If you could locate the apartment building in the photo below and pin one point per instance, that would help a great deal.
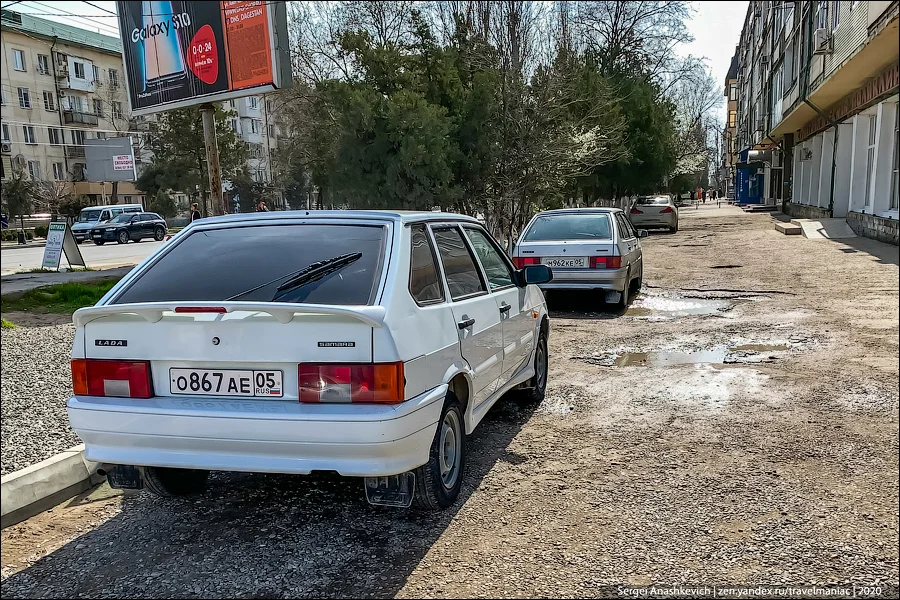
(818, 111)
(255, 121)
(729, 158)
(61, 85)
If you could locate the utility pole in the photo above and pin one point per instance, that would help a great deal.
(208, 113)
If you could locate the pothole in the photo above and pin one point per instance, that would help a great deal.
(718, 355)
(659, 307)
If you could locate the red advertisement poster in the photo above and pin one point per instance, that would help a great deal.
(247, 34)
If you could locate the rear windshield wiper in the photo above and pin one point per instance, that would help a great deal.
(313, 269)
(316, 271)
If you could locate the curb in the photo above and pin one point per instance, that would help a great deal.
(29, 491)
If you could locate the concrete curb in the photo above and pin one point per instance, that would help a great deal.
(29, 491)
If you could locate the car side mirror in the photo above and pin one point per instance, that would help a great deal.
(536, 274)
(642, 233)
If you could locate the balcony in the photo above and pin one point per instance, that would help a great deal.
(75, 116)
(74, 151)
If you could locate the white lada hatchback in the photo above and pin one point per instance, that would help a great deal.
(367, 343)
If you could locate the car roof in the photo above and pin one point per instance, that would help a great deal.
(400, 216)
(141, 206)
(575, 211)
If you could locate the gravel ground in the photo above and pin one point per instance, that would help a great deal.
(36, 380)
(773, 466)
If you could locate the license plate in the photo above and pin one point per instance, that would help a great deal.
(97, 234)
(226, 382)
(566, 263)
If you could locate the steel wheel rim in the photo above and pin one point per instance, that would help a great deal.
(450, 450)
(541, 366)
(123, 237)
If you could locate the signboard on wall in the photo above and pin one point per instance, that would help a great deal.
(182, 53)
(109, 160)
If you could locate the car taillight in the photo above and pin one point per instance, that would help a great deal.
(201, 309)
(636, 211)
(606, 262)
(117, 378)
(524, 261)
(377, 383)
(667, 209)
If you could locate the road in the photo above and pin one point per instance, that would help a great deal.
(15, 260)
(737, 425)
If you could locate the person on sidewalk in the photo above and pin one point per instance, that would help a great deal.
(261, 207)
(195, 212)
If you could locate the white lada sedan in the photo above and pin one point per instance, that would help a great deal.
(367, 343)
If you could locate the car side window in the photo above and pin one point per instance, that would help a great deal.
(498, 272)
(424, 281)
(462, 275)
(104, 216)
(624, 230)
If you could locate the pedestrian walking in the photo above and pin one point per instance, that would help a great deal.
(261, 207)
(195, 212)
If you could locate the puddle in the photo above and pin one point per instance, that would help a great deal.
(670, 308)
(720, 355)
(762, 347)
(667, 358)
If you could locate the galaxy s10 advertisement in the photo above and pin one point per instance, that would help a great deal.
(179, 51)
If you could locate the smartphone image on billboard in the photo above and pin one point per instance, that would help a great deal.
(163, 57)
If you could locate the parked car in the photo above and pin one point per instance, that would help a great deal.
(654, 212)
(587, 248)
(92, 216)
(367, 343)
(130, 226)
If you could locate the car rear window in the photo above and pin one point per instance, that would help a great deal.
(250, 263)
(584, 226)
(652, 200)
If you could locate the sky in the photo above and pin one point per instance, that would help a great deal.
(715, 26)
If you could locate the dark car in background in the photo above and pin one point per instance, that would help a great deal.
(130, 226)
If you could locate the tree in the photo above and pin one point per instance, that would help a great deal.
(71, 205)
(176, 140)
(54, 193)
(19, 192)
(163, 204)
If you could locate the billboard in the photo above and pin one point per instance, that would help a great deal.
(180, 52)
(109, 160)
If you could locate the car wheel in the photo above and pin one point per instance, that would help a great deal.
(159, 233)
(169, 483)
(99, 242)
(625, 296)
(439, 480)
(122, 237)
(674, 229)
(636, 286)
(537, 387)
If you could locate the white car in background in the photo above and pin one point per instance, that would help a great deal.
(587, 248)
(367, 343)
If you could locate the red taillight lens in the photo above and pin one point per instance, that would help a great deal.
(636, 211)
(378, 383)
(606, 262)
(667, 209)
(117, 378)
(524, 261)
(200, 309)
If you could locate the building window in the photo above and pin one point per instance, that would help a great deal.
(18, 60)
(59, 173)
(98, 107)
(732, 118)
(271, 131)
(733, 91)
(79, 70)
(56, 136)
(835, 14)
(870, 158)
(49, 101)
(30, 137)
(234, 125)
(270, 106)
(24, 98)
(4, 132)
(253, 102)
(895, 175)
(96, 74)
(113, 78)
(255, 126)
(43, 64)
(822, 15)
(77, 137)
(34, 170)
(101, 135)
(116, 110)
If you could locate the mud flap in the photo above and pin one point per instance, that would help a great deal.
(393, 490)
(613, 297)
(123, 477)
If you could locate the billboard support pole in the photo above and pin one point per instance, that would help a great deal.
(208, 113)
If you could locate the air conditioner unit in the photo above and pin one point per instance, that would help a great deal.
(764, 59)
(822, 41)
(19, 161)
(6, 147)
(805, 154)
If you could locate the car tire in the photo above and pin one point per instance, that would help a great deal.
(159, 234)
(537, 386)
(437, 482)
(166, 482)
(99, 242)
(122, 237)
(674, 229)
(625, 295)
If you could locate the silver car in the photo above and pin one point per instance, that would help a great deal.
(654, 212)
(587, 248)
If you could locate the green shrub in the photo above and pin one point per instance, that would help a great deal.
(40, 231)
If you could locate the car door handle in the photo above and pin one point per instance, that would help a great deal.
(504, 308)
(466, 323)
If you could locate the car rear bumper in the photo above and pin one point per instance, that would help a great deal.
(653, 221)
(361, 440)
(584, 279)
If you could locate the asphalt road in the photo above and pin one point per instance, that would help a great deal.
(15, 260)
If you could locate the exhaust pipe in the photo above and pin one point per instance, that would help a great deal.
(103, 469)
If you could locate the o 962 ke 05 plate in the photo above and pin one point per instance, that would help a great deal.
(226, 382)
